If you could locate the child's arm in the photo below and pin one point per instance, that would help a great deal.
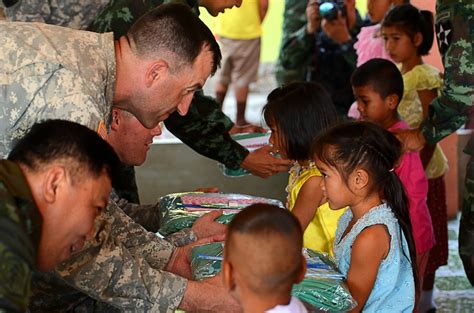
(308, 200)
(426, 96)
(369, 249)
(262, 9)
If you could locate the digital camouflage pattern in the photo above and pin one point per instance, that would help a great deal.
(205, 127)
(455, 32)
(122, 266)
(20, 227)
(49, 72)
(77, 14)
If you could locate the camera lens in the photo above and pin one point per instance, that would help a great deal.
(326, 8)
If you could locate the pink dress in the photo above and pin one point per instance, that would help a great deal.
(411, 173)
(369, 46)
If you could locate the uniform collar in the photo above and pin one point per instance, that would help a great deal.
(26, 213)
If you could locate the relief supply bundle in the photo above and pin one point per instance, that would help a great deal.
(181, 210)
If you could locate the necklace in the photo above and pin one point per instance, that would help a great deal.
(294, 174)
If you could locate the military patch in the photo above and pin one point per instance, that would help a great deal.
(444, 34)
(102, 130)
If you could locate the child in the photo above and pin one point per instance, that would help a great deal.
(370, 43)
(263, 259)
(374, 245)
(378, 88)
(296, 114)
(408, 35)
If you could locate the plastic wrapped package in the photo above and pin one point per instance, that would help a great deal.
(323, 287)
(180, 210)
(206, 260)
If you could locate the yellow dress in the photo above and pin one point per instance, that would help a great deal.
(422, 77)
(319, 235)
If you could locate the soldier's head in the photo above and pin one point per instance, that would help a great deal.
(129, 138)
(263, 252)
(69, 170)
(165, 57)
(216, 7)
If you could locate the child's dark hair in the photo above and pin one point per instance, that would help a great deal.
(300, 111)
(410, 20)
(366, 145)
(279, 237)
(382, 75)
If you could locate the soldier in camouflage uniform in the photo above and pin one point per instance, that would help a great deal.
(323, 53)
(47, 208)
(451, 110)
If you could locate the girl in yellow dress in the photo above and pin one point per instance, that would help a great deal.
(297, 114)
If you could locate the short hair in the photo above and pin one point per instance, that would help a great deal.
(174, 29)
(273, 247)
(411, 20)
(300, 110)
(382, 75)
(81, 150)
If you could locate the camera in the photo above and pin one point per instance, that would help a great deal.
(328, 9)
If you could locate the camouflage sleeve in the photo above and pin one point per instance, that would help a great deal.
(15, 270)
(292, 62)
(75, 14)
(122, 266)
(148, 217)
(455, 31)
(205, 129)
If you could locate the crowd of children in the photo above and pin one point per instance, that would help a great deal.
(352, 192)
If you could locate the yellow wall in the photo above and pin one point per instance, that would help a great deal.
(272, 27)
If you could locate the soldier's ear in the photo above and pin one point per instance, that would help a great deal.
(115, 119)
(156, 71)
(54, 176)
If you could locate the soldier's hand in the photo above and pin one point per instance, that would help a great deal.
(261, 163)
(411, 139)
(337, 29)
(206, 225)
(312, 15)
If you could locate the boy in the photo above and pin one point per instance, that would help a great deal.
(378, 89)
(263, 259)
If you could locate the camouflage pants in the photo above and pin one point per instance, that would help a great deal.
(466, 226)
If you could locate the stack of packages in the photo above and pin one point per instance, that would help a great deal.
(323, 287)
(181, 210)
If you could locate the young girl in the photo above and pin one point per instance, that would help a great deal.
(296, 114)
(374, 246)
(408, 35)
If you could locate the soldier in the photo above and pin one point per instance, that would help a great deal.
(55, 182)
(452, 110)
(317, 47)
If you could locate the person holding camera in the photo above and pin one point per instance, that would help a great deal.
(317, 45)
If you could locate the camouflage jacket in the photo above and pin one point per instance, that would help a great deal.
(455, 34)
(20, 227)
(121, 267)
(48, 72)
(205, 127)
(316, 57)
(77, 14)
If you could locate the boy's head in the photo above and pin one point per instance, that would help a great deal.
(378, 88)
(263, 252)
